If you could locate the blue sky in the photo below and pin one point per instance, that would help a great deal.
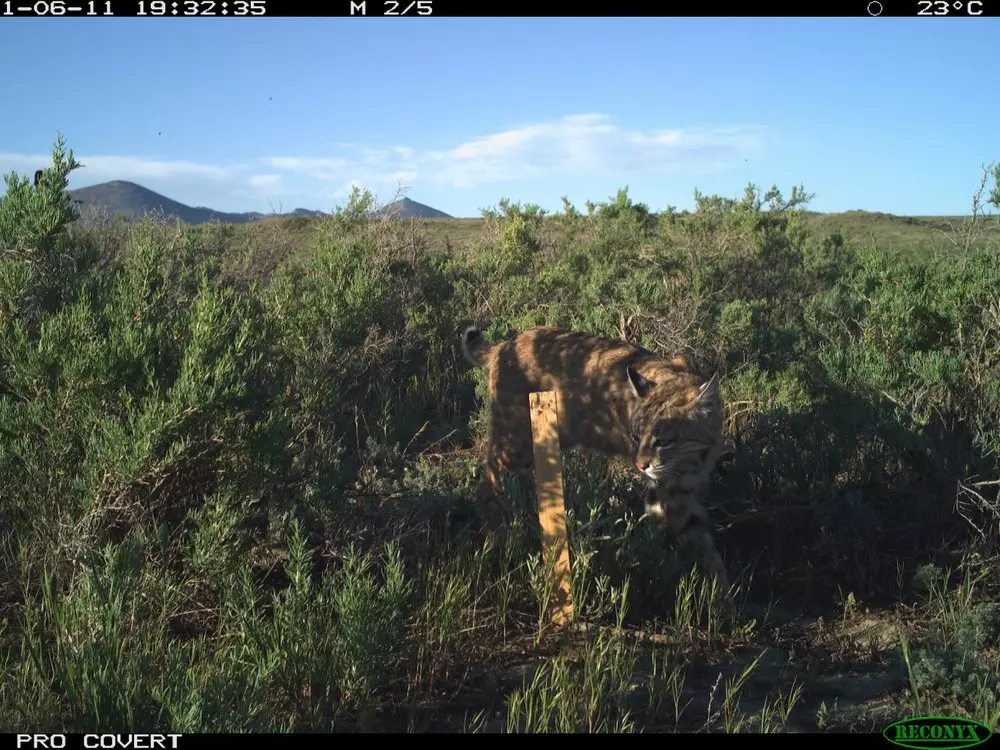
(893, 115)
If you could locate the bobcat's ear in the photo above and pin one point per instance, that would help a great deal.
(708, 396)
(640, 385)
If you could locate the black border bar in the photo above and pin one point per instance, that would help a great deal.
(939, 9)
(118, 740)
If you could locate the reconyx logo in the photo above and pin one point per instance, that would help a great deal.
(938, 732)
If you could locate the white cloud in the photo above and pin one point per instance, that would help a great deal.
(139, 168)
(574, 146)
(102, 168)
(567, 148)
(325, 169)
(264, 181)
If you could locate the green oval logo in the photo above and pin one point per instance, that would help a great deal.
(938, 732)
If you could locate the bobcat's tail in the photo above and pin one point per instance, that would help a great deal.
(474, 346)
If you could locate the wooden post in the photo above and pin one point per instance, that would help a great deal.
(551, 506)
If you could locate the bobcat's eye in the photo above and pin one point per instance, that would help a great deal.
(658, 443)
(635, 437)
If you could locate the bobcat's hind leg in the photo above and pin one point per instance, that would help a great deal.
(508, 450)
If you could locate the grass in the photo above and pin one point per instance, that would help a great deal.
(237, 467)
(920, 237)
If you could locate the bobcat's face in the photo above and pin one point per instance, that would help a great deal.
(675, 433)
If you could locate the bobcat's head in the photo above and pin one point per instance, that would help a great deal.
(676, 429)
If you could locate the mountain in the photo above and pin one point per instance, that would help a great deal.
(407, 209)
(134, 201)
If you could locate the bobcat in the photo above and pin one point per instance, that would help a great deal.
(613, 398)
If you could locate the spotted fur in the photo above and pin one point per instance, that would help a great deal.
(613, 398)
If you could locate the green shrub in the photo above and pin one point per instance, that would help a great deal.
(236, 472)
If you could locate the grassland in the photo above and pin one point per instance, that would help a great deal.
(919, 237)
(237, 463)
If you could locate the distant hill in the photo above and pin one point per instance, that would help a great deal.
(915, 235)
(134, 202)
(407, 209)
